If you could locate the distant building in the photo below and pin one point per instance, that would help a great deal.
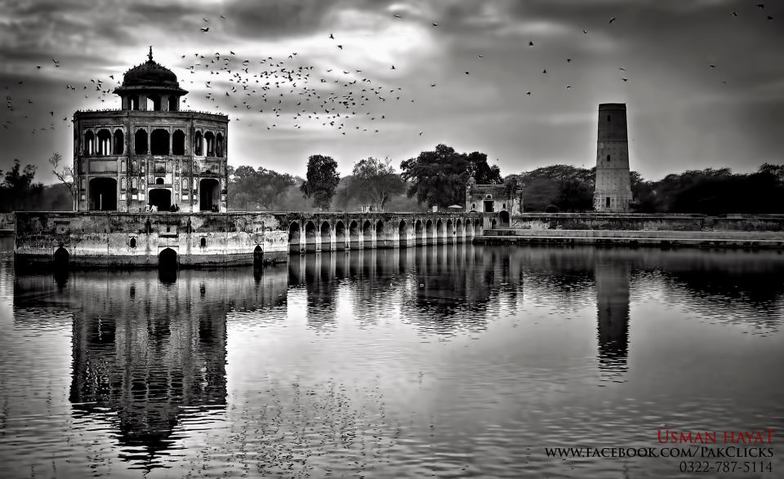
(613, 191)
(494, 198)
(150, 154)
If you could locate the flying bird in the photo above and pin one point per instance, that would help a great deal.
(435, 24)
(397, 15)
(530, 44)
(340, 46)
(205, 29)
(331, 37)
(611, 20)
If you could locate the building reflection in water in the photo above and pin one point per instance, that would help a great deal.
(149, 355)
(441, 289)
(613, 277)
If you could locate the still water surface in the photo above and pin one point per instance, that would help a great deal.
(449, 361)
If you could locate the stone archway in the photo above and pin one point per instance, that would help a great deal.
(310, 236)
(340, 236)
(294, 240)
(503, 219)
(103, 194)
(209, 195)
(419, 233)
(167, 266)
(381, 241)
(353, 235)
(61, 258)
(160, 198)
(326, 237)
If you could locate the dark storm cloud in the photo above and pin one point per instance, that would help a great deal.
(683, 112)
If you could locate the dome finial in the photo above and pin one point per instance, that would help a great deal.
(149, 55)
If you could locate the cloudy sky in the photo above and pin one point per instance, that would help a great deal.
(703, 80)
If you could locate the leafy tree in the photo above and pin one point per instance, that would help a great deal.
(65, 175)
(264, 189)
(374, 182)
(439, 177)
(322, 179)
(558, 187)
(18, 190)
(481, 171)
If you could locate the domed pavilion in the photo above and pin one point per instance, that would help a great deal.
(150, 155)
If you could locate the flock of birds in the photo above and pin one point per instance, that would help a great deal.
(280, 89)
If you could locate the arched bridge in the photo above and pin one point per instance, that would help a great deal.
(145, 239)
(309, 232)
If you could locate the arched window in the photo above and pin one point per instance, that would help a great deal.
(219, 145)
(104, 142)
(134, 102)
(159, 142)
(178, 143)
(173, 106)
(132, 243)
(119, 142)
(198, 146)
(140, 142)
(209, 139)
(158, 181)
(89, 143)
(608, 157)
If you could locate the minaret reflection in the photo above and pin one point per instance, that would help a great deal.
(613, 276)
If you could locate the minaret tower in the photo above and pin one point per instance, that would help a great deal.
(613, 191)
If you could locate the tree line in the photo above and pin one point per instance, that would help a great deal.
(439, 178)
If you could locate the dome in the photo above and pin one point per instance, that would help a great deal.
(150, 75)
